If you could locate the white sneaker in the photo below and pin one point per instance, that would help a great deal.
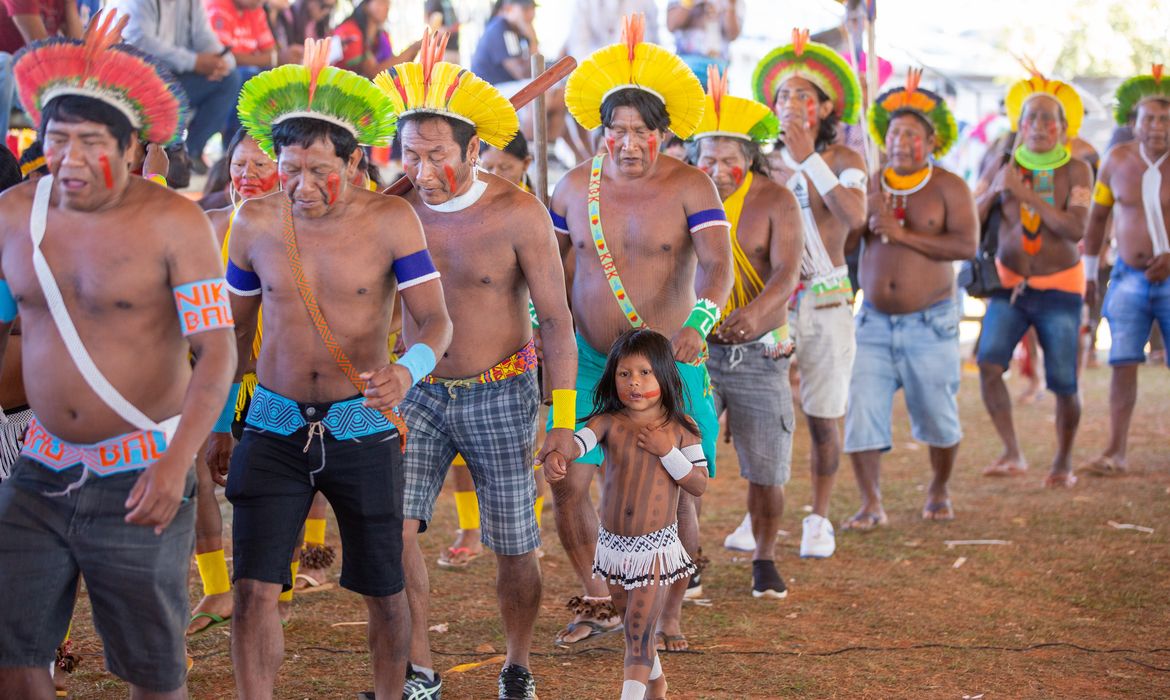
(742, 540)
(816, 539)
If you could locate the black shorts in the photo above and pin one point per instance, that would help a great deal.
(271, 484)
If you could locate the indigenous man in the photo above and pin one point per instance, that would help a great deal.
(921, 219)
(1130, 186)
(750, 349)
(493, 244)
(1044, 193)
(326, 320)
(636, 224)
(114, 437)
(811, 89)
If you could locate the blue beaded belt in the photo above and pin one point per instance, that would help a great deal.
(345, 420)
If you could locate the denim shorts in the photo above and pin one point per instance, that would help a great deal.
(493, 425)
(136, 580)
(1056, 315)
(1132, 304)
(754, 391)
(916, 352)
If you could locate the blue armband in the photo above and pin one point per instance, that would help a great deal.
(224, 423)
(419, 360)
(706, 219)
(414, 269)
(560, 223)
(242, 283)
(7, 303)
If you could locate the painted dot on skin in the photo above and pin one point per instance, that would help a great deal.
(737, 175)
(611, 146)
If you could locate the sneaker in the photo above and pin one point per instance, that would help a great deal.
(418, 687)
(767, 581)
(817, 540)
(516, 683)
(742, 540)
(694, 587)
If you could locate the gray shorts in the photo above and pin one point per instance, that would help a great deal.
(136, 580)
(754, 391)
(493, 426)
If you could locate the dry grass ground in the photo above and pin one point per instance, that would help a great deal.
(1073, 607)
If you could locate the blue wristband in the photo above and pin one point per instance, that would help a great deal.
(419, 360)
(224, 423)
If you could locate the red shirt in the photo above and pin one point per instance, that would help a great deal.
(52, 12)
(243, 31)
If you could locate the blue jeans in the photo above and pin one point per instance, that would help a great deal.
(916, 352)
(1131, 306)
(1056, 315)
(7, 93)
(211, 102)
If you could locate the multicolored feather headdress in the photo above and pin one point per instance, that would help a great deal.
(816, 63)
(929, 105)
(735, 117)
(430, 84)
(1024, 90)
(316, 90)
(633, 63)
(101, 67)
(1136, 90)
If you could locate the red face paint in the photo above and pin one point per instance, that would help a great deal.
(283, 181)
(652, 394)
(333, 186)
(249, 187)
(652, 144)
(106, 172)
(705, 168)
(918, 149)
(611, 146)
(737, 175)
(810, 107)
(452, 183)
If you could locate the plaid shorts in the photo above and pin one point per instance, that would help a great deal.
(493, 426)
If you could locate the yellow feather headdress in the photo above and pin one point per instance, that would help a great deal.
(1024, 90)
(633, 63)
(432, 85)
(735, 117)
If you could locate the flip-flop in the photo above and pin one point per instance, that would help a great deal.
(667, 639)
(874, 520)
(458, 557)
(999, 468)
(310, 582)
(939, 511)
(216, 621)
(596, 629)
(1104, 466)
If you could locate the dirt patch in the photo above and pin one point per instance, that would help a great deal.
(1071, 608)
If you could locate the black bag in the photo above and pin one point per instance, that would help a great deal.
(978, 275)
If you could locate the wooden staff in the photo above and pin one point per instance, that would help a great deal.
(540, 132)
(528, 93)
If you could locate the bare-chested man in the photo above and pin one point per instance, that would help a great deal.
(829, 182)
(1134, 185)
(637, 225)
(750, 349)
(922, 218)
(1044, 193)
(342, 251)
(494, 245)
(119, 410)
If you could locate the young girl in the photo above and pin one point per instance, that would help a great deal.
(652, 450)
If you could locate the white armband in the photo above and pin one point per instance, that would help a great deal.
(819, 173)
(586, 439)
(696, 455)
(853, 178)
(677, 464)
(1092, 263)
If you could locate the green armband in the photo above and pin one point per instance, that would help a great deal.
(532, 314)
(703, 317)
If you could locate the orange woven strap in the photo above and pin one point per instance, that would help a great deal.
(323, 330)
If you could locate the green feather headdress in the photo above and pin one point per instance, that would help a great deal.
(1131, 93)
(927, 104)
(816, 63)
(316, 90)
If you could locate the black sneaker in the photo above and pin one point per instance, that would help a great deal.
(419, 688)
(767, 581)
(517, 683)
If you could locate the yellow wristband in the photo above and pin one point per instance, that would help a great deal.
(158, 179)
(1102, 194)
(564, 409)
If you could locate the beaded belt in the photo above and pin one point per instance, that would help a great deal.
(129, 452)
(345, 420)
(520, 362)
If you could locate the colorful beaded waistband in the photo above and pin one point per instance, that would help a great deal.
(129, 452)
(520, 362)
(345, 420)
